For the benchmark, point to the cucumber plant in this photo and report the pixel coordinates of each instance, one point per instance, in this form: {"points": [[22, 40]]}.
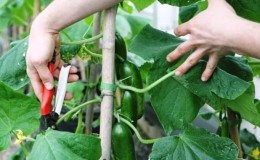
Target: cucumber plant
{"points": [[175, 100]]}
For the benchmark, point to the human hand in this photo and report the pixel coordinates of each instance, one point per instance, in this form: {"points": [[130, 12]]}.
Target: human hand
{"points": [[40, 51], [209, 31]]}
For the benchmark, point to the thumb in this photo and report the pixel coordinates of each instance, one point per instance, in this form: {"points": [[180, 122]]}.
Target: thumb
{"points": [[182, 29]]}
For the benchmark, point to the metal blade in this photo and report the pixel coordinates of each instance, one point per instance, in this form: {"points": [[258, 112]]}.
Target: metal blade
{"points": [[61, 89]]}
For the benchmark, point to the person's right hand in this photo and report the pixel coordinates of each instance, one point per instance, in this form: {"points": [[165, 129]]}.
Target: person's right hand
{"points": [[211, 32], [40, 51]]}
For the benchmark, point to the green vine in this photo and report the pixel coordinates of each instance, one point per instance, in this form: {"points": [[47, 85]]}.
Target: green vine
{"points": [[129, 124], [77, 108], [148, 88], [84, 41]]}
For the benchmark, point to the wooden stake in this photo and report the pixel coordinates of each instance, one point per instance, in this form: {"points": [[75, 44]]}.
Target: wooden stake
{"points": [[108, 78], [36, 8]]}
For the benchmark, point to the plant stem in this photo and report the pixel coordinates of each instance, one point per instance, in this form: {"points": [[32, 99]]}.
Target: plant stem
{"points": [[92, 53], [89, 40], [79, 126], [77, 108], [254, 63], [144, 141], [146, 89], [108, 74], [233, 130], [93, 72], [26, 152]]}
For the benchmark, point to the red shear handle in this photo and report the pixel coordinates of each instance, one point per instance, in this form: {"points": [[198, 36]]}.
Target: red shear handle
{"points": [[47, 95]]}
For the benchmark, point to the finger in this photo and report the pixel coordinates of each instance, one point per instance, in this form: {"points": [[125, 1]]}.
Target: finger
{"points": [[68, 96], [36, 82], [73, 69], [180, 51], [211, 66], [56, 73], [45, 75], [189, 62], [73, 78], [182, 29]]}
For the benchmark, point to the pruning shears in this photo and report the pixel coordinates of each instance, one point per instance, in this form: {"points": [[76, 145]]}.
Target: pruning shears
{"points": [[50, 113]]}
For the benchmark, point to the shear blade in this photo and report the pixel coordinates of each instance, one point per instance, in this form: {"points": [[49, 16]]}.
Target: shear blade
{"points": [[61, 89]]}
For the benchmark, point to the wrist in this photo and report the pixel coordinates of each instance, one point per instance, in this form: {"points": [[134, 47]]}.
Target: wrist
{"points": [[42, 25]]}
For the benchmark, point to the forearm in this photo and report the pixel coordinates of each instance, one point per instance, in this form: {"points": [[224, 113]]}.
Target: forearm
{"points": [[62, 13], [245, 38]]}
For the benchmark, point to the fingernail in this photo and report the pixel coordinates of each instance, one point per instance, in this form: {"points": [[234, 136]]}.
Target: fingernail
{"points": [[203, 78], [178, 73], [48, 85]]}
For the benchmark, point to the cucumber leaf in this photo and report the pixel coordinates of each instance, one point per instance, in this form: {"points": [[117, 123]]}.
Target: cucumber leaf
{"points": [[13, 66], [174, 105], [17, 111], [188, 12], [248, 9], [141, 4], [178, 2], [194, 144], [56, 145]]}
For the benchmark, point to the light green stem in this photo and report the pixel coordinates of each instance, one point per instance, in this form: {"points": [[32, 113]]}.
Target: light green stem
{"points": [[79, 126], [26, 152], [89, 40], [78, 108], [146, 89], [92, 53], [254, 62], [144, 141]]}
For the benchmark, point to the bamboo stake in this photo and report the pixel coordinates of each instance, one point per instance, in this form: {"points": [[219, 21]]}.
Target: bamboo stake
{"points": [[93, 76], [108, 78], [36, 8]]}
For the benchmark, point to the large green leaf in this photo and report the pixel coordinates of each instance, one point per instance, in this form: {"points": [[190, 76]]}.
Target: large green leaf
{"points": [[248, 9], [239, 94], [222, 84], [17, 111], [13, 66], [129, 25], [236, 66], [178, 2], [194, 144], [141, 4], [55, 145], [187, 12], [245, 105], [76, 32], [174, 105], [152, 44]]}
